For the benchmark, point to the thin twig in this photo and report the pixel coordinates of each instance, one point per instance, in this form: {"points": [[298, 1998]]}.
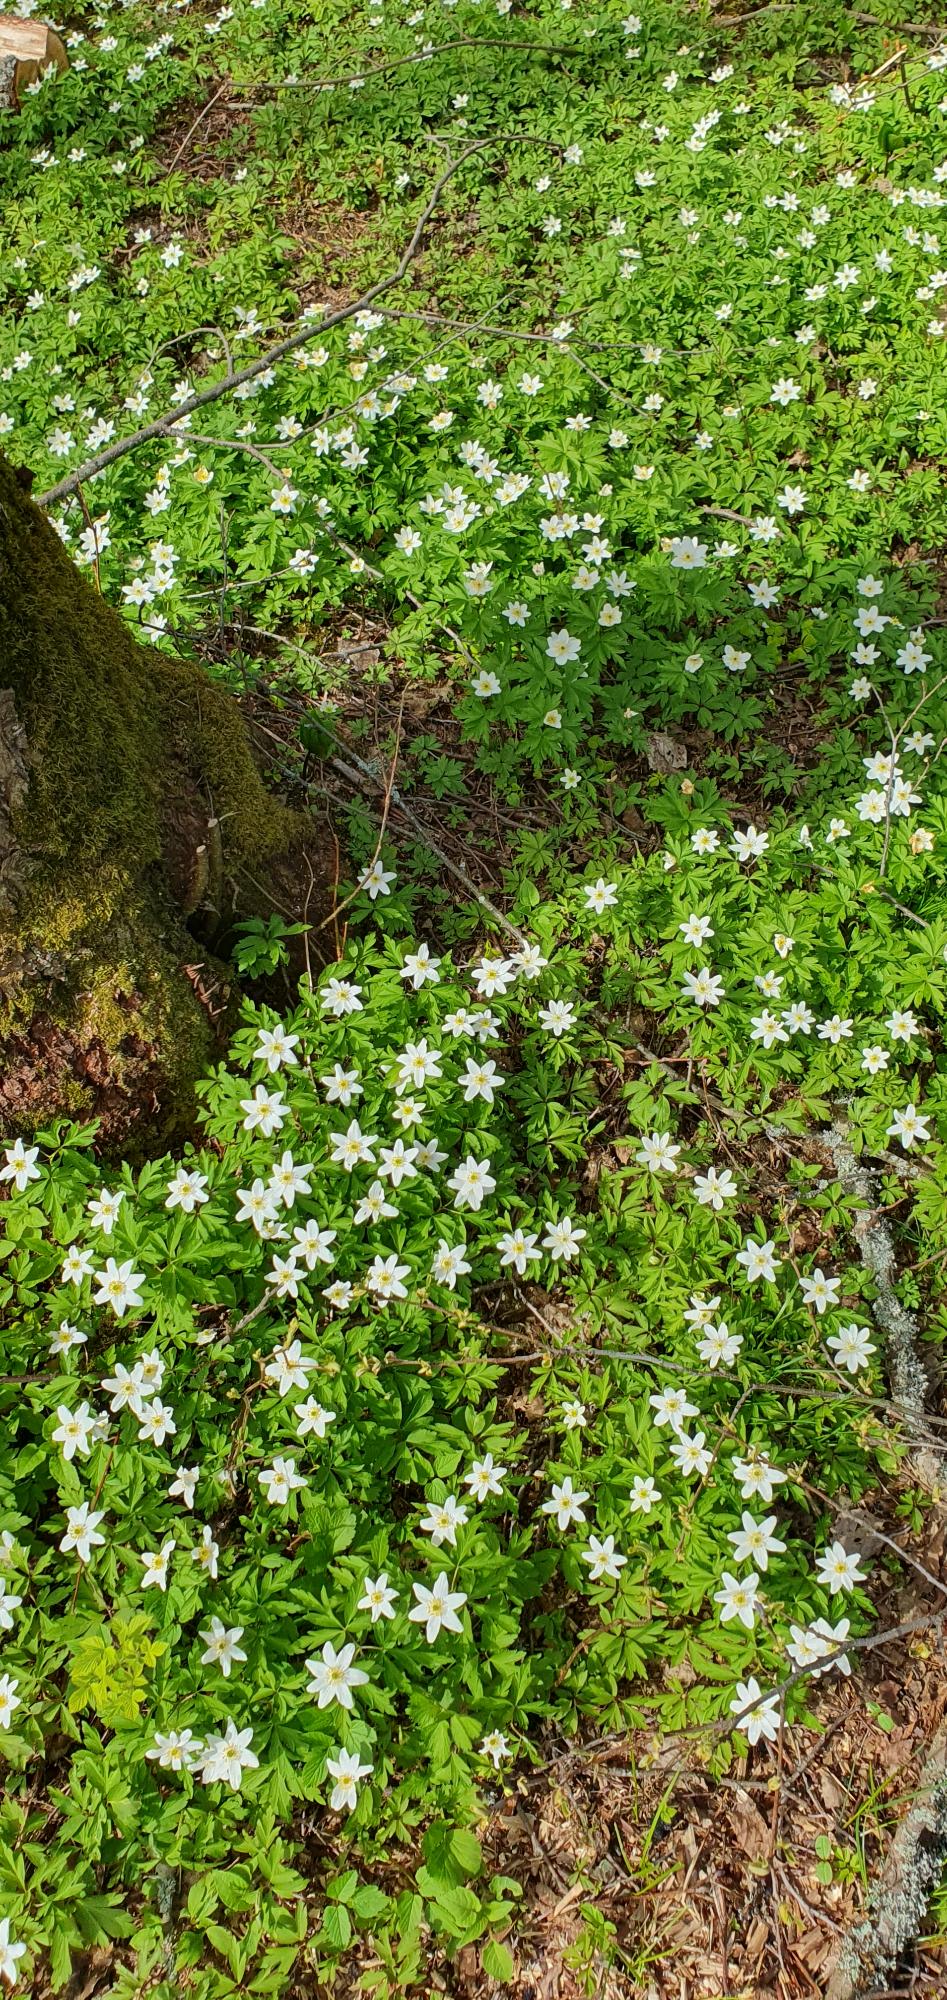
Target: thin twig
{"points": [[202, 114], [389, 786], [896, 735]]}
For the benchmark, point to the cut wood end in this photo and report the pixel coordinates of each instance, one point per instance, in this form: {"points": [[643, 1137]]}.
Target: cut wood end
{"points": [[32, 46], [24, 39]]}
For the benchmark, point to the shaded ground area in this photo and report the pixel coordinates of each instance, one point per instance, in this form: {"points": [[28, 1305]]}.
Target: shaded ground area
{"points": [[716, 1886]]}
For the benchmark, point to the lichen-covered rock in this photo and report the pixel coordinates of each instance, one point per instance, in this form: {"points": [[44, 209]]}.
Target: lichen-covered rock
{"points": [[134, 827]]}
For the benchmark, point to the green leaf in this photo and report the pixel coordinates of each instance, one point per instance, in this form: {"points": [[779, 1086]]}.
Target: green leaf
{"points": [[459, 1912], [202, 1898], [336, 1926], [497, 1961], [451, 1852], [369, 1903], [227, 1945], [465, 1851]]}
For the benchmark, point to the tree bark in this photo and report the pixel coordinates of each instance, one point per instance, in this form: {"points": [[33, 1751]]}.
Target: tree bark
{"points": [[134, 827]]}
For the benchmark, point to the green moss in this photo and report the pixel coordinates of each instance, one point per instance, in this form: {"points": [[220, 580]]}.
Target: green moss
{"points": [[86, 703], [208, 735], [111, 728], [131, 759]]}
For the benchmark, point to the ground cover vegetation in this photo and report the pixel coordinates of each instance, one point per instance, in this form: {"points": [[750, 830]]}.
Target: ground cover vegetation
{"points": [[509, 1360]]}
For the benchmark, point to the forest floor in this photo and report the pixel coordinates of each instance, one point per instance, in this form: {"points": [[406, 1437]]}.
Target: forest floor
{"points": [[646, 1869]]}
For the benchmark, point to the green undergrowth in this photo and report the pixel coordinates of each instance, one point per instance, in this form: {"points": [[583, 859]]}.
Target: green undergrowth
{"points": [[501, 1368]]}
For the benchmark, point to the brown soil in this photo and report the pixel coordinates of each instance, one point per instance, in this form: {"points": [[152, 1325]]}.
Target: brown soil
{"points": [[203, 143], [711, 1883], [326, 237]]}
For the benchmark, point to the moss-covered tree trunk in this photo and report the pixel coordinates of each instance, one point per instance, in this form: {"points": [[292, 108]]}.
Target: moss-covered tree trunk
{"points": [[131, 809]]}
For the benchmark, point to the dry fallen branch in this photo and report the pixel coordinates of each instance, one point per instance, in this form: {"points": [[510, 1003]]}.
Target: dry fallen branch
{"points": [[202, 114], [366, 773], [900, 1328], [727, 1725], [358, 77], [926, 31], [870, 1953]]}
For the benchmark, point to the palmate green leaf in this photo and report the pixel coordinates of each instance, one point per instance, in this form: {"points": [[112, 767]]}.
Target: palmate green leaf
{"points": [[224, 1942], [60, 1957], [280, 1785], [457, 1912], [342, 1887], [234, 1887], [331, 1527], [203, 1897], [101, 1917]]}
